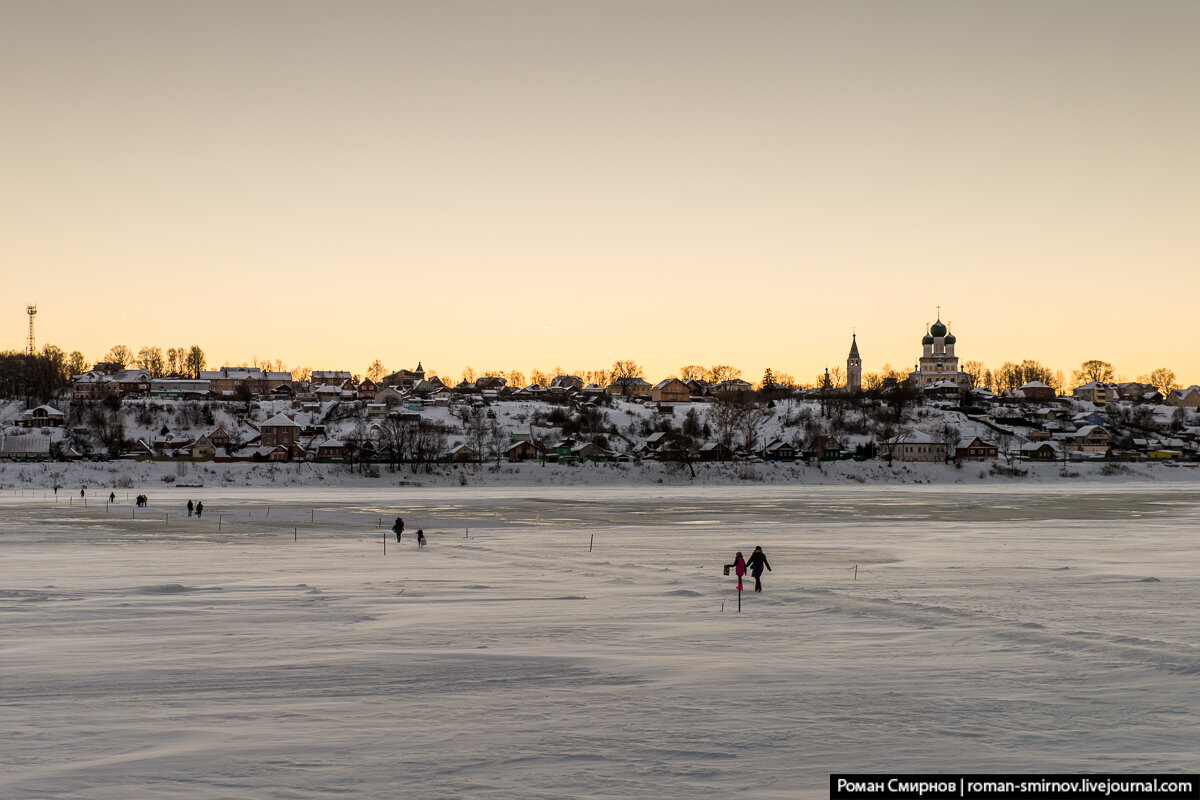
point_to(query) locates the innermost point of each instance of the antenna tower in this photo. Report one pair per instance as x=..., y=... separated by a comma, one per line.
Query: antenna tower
x=31, y=346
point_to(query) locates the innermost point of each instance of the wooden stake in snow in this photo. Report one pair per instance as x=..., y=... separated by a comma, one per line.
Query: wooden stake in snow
x=312, y=515
x=591, y=539
x=220, y=517
x=856, y=572
x=295, y=535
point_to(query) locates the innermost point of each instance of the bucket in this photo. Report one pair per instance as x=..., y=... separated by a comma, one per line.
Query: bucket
x=726, y=569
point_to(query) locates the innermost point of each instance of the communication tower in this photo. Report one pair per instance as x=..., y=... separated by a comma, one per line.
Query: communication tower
x=31, y=346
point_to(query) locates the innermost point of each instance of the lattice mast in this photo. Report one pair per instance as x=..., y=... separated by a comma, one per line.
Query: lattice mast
x=31, y=344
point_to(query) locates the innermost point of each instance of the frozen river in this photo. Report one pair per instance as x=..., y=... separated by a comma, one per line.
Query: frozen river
x=272, y=649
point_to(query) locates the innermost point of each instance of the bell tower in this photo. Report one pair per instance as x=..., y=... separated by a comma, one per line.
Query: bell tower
x=854, y=366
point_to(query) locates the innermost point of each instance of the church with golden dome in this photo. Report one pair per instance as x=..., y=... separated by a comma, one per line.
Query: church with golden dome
x=938, y=366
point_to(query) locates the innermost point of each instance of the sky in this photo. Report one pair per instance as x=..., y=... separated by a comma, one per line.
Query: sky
x=525, y=185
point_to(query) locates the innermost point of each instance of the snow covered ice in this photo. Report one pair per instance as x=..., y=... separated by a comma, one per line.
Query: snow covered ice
x=1040, y=628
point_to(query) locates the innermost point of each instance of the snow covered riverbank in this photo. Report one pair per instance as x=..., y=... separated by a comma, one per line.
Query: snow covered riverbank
x=161, y=476
x=581, y=641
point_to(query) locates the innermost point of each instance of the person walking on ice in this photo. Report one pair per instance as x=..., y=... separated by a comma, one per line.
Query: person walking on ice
x=190, y=507
x=758, y=560
x=112, y=497
x=420, y=538
x=739, y=568
x=398, y=527
x=199, y=509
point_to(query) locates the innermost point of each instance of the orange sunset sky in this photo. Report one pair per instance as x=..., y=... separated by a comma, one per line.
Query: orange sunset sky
x=531, y=184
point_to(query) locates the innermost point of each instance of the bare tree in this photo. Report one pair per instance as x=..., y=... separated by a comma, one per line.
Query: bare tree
x=976, y=370
x=692, y=372
x=1093, y=371
x=722, y=372
x=497, y=440
x=194, y=361
x=151, y=359
x=751, y=414
x=625, y=374
x=376, y=371
x=1161, y=379
x=475, y=426
x=119, y=354
x=723, y=415
x=76, y=364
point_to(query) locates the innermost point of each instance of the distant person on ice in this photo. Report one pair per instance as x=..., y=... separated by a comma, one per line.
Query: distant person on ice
x=398, y=527
x=420, y=538
x=758, y=560
x=739, y=568
x=190, y=507
x=199, y=508
x=112, y=497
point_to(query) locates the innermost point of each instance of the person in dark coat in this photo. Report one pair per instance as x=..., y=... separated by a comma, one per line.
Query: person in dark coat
x=420, y=538
x=199, y=508
x=190, y=507
x=398, y=527
x=112, y=497
x=758, y=560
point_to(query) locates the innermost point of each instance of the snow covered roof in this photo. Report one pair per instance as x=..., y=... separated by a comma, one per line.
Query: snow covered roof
x=1034, y=385
x=49, y=410
x=281, y=421
x=917, y=437
x=25, y=444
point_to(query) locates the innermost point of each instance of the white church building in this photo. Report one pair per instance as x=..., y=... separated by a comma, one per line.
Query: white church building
x=938, y=367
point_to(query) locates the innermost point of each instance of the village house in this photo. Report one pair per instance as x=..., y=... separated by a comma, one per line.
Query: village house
x=823, y=448
x=1089, y=439
x=731, y=385
x=1040, y=451
x=367, y=389
x=225, y=381
x=715, y=451
x=671, y=390
x=181, y=388
x=203, y=449
x=42, y=417
x=279, y=430
x=977, y=450
x=403, y=378
x=778, y=450
x=331, y=451
x=25, y=447
x=522, y=451
x=630, y=387
x=915, y=446
x=462, y=454
x=1184, y=398
x=327, y=377
x=1096, y=393
x=567, y=382
x=1036, y=391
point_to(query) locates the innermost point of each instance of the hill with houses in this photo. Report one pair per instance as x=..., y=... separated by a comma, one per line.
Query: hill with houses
x=411, y=422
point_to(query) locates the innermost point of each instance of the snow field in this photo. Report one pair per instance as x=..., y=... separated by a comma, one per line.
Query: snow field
x=987, y=630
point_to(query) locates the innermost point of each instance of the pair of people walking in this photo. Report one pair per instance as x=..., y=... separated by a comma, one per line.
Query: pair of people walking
x=756, y=564
x=398, y=528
